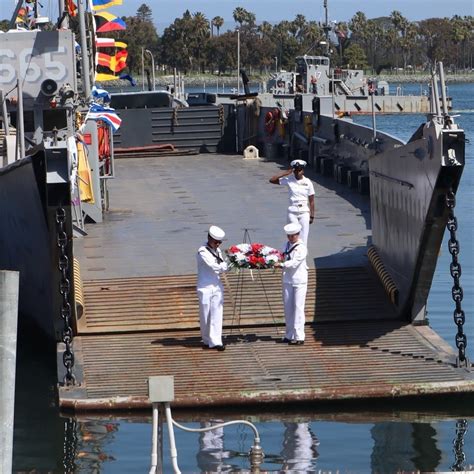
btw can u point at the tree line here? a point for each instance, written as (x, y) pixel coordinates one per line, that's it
(197, 44)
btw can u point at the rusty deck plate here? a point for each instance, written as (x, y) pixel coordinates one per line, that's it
(167, 303)
(339, 361)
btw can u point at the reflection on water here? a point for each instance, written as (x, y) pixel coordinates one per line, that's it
(404, 447)
(99, 445)
(299, 447)
(211, 455)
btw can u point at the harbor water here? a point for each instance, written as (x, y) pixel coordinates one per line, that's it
(384, 437)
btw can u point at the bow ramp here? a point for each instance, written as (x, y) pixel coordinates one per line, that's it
(141, 317)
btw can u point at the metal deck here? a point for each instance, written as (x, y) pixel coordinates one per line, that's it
(141, 311)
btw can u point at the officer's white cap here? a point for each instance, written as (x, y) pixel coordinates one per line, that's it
(216, 232)
(292, 228)
(298, 163)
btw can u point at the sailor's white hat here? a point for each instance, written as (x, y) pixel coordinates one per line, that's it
(216, 232)
(299, 163)
(292, 228)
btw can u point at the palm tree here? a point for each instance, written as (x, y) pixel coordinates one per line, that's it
(218, 21)
(240, 15)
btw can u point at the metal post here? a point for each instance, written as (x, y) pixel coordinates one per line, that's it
(332, 90)
(444, 103)
(174, 82)
(15, 14)
(65, 18)
(276, 64)
(85, 76)
(143, 69)
(373, 118)
(9, 284)
(238, 61)
(434, 90)
(6, 127)
(152, 67)
(20, 142)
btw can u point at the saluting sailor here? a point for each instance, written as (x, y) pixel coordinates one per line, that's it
(301, 195)
(295, 284)
(210, 264)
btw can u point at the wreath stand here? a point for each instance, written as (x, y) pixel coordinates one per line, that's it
(237, 300)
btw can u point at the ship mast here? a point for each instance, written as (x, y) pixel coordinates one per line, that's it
(326, 27)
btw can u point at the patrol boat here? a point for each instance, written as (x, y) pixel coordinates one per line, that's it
(347, 91)
(128, 308)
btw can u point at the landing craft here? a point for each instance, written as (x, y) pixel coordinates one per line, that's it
(135, 313)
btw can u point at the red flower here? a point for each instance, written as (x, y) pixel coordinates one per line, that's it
(256, 248)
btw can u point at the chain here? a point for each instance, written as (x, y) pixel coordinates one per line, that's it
(69, 446)
(65, 290)
(458, 446)
(455, 270)
(221, 115)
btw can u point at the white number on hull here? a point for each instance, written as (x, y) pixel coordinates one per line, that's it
(34, 67)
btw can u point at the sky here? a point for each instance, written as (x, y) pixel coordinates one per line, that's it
(165, 11)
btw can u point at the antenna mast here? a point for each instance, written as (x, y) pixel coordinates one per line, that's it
(326, 27)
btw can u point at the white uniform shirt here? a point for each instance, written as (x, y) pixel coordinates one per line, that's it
(209, 267)
(298, 191)
(295, 270)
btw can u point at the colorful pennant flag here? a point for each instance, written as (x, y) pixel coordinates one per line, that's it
(98, 93)
(115, 63)
(71, 8)
(107, 22)
(102, 77)
(101, 4)
(105, 42)
(129, 78)
(106, 114)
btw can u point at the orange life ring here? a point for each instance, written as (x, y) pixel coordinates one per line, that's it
(270, 122)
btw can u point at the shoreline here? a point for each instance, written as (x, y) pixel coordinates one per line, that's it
(212, 81)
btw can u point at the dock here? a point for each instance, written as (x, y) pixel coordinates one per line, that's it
(141, 311)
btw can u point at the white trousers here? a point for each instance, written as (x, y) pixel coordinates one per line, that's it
(301, 218)
(211, 301)
(294, 297)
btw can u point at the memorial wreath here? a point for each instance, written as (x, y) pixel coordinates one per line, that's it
(253, 256)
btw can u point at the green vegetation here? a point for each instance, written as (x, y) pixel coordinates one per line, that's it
(194, 44)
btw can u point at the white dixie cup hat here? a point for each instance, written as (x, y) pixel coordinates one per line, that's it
(298, 163)
(216, 232)
(292, 228)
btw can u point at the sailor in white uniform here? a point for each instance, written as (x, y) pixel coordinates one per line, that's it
(295, 284)
(210, 264)
(301, 195)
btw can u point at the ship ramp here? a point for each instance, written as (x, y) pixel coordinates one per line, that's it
(141, 318)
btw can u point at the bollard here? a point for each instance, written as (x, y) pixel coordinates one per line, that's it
(9, 284)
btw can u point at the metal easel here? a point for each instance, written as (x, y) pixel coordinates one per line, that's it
(237, 301)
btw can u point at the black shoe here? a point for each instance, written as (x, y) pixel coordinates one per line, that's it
(205, 346)
(284, 341)
(219, 348)
(296, 343)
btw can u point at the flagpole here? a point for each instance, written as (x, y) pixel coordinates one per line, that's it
(85, 73)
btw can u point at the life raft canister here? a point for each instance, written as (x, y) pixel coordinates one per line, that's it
(271, 118)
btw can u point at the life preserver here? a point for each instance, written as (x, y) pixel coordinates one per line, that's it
(270, 122)
(105, 154)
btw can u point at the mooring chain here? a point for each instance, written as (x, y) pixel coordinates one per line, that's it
(70, 446)
(458, 446)
(65, 290)
(457, 292)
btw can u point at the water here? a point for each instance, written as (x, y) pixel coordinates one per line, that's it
(380, 437)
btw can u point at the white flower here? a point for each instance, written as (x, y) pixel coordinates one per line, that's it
(272, 258)
(244, 248)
